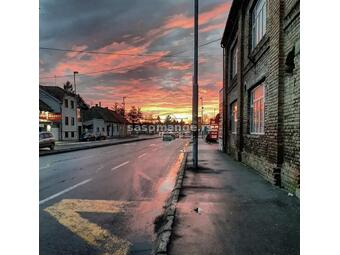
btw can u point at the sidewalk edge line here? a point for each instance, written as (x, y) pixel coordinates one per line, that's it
(92, 146)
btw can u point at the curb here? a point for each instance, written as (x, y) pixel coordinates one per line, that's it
(168, 217)
(87, 147)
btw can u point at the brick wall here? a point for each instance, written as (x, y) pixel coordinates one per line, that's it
(290, 172)
(275, 154)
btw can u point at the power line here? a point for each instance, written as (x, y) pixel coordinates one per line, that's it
(105, 53)
(127, 66)
(123, 54)
(95, 72)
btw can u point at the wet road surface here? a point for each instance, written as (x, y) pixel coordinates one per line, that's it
(104, 200)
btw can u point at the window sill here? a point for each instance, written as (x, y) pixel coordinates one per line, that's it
(255, 135)
(255, 53)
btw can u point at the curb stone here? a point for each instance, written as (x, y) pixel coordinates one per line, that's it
(164, 233)
(87, 147)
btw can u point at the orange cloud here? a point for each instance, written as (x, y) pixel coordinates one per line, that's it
(156, 95)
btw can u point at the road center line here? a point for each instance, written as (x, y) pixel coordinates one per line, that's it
(122, 164)
(140, 156)
(64, 191)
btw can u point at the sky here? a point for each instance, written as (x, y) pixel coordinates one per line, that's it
(143, 35)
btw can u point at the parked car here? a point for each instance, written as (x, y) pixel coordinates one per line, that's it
(173, 134)
(185, 135)
(46, 140)
(87, 137)
(168, 137)
(100, 136)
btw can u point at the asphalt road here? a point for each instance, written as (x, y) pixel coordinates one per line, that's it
(104, 200)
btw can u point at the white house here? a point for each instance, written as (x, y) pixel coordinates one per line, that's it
(103, 121)
(68, 125)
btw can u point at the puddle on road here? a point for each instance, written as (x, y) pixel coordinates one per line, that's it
(117, 224)
(145, 212)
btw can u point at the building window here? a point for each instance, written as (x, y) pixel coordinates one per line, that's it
(233, 117)
(72, 104)
(103, 129)
(257, 110)
(66, 121)
(234, 53)
(72, 134)
(97, 129)
(259, 21)
(66, 134)
(72, 121)
(66, 103)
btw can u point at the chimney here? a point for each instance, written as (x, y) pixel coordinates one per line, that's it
(96, 105)
(100, 104)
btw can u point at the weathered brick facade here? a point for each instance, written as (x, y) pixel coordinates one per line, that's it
(274, 63)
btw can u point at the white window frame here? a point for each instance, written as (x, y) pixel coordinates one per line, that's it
(233, 117)
(259, 22)
(256, 119)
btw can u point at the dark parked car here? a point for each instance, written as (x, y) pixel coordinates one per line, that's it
(46, 140)
(168, 137)
(100, 136)
(87, 137)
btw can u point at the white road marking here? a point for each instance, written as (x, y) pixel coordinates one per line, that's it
(152, 144)
(64, 191)
(144, 176)
(122, 164)
(44, 167)
(140, 156)
(99, 168)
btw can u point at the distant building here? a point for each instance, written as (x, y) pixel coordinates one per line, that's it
(261, 101)
(103, 121)
(63, 112)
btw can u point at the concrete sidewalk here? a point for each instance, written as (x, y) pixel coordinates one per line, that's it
(63, 147)
(226, 208)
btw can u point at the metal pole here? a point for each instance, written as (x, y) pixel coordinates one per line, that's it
(124, 126)
(195, 91)
(74, 82)
(202, 120)
(76, 102)
(202, 108)
(124, 106)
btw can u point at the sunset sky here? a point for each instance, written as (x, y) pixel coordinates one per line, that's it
(141, 33)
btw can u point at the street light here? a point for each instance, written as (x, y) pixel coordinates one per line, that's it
(124, 106)
(74, 81)
(75, 91)
(195, 90)
(202, 121)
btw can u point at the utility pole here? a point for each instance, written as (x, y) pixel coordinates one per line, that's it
(74, 81)
(124, 131)
(202, 119)
(202, 108)
(76, 101)
(123, 106)
(195, 91)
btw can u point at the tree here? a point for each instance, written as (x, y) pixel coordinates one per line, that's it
(168, 120)
(158, 120)
(68, 86)
(135, 115)
(118, 109)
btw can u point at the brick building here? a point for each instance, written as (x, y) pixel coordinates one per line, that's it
(261, 102)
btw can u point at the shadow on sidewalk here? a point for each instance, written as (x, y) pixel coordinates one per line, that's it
(227, 208)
